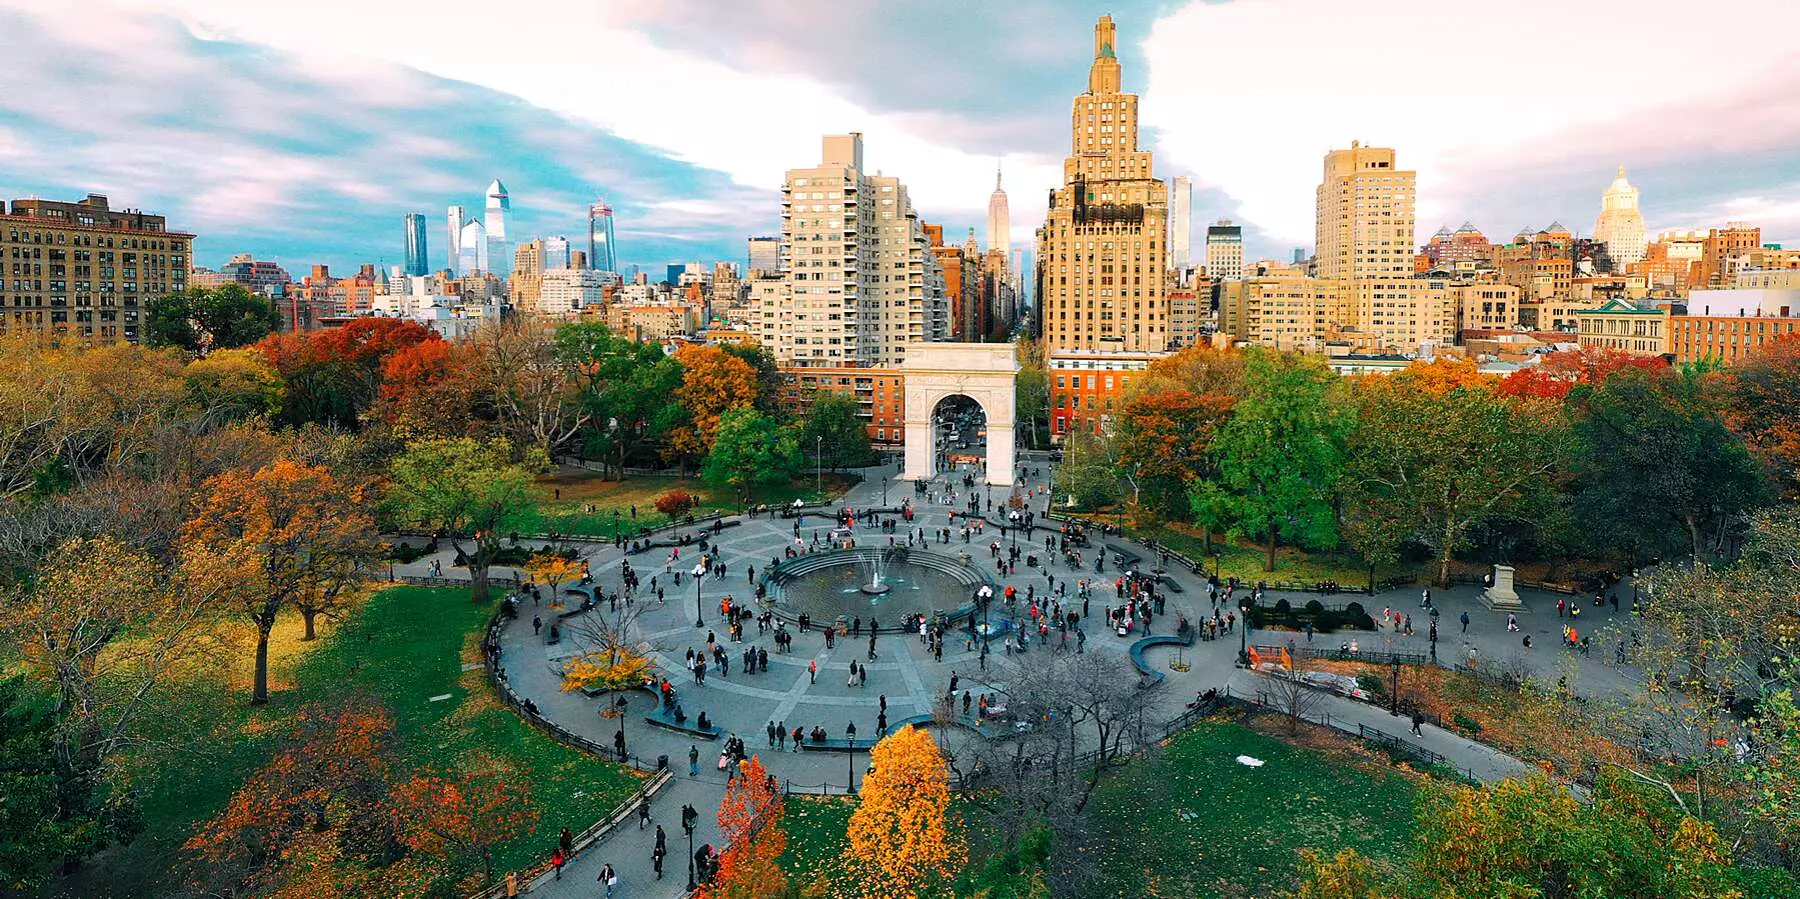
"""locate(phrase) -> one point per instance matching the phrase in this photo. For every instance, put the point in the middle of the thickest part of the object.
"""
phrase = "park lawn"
(566, 495)
(1244, 560)
(404, 646)
(1198, 823)
(816, 835)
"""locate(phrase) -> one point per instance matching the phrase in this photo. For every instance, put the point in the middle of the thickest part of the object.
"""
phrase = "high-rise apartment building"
(863, 282)
(255, 275)
(1621, 224)
(1365, 215)
(458, 216)
(999, 220)
(1224, 251)
(764, 256)
(85, 270)
(1181, 205)
(417, 259)
(499, 208)
(1103, 248)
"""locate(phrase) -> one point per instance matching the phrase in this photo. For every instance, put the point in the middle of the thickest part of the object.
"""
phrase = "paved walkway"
(909, 678)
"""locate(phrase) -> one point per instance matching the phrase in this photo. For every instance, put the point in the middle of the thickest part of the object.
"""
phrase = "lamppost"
(852, 754)
(699, 617)
(617, 532)
(618, 704)
(884, 485)
(1394, 692)
(818, 463)
(688, 816)
(1244, 631)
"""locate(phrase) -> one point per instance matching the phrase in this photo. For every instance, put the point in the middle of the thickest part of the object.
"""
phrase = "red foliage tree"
(1562, 370)
(429, 388)
(463, 816)
(1763, 406)
(750, 822)
(333, 376)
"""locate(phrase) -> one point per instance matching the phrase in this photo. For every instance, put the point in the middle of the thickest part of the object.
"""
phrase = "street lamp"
(617, 533)
(884, 485)
(1244, 631)
(688, 816)
(1394, 692)
(818, 463)
(852, 789)
(699, 617)
(619, 707)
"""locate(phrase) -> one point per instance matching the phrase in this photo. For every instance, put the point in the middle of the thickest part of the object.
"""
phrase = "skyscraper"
(600, 237)
(472, 249)
(1104, 244)
(499, 205)
(999, 223)
(1181, 202)
(1364, 225)
(1224, 251)
(456, 217)
(417, 260)
(555, 253)
(1621, 225)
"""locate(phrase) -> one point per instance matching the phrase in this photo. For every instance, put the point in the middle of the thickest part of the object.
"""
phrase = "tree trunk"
(309, 616)
(259, 691)
(478, 581)
(1443, 578)
(1269, 561)
(1693, 526)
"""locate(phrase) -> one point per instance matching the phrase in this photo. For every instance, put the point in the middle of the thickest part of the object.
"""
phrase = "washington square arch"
(981, 372)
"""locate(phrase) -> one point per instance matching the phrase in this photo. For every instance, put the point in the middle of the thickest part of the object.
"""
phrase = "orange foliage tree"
(289, 535)
(1560, 371)
(428, 389)
(1164, 439)
(462, 816)
(552, 570)
(1763, 407)
(713, 382)
(750, 822)
(333, 375)
(901, 841)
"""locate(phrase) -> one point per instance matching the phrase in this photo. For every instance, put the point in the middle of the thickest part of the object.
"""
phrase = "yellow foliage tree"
(900, 840)
(553, 571)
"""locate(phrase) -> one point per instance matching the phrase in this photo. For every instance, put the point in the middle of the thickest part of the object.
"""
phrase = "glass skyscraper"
(416, 259)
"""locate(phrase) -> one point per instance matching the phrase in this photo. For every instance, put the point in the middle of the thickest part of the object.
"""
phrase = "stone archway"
(983, 372)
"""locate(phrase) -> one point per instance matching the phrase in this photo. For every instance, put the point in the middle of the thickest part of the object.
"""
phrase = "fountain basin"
(885, 585)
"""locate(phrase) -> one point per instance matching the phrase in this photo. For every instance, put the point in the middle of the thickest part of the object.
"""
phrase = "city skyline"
(305, 155)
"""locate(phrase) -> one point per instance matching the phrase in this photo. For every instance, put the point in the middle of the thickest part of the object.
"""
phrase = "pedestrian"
(609, 878)
(862, 675)
(643, 813)
(1418, 718)
(566, 840)
(537, 624)
(693, 760)
(619, 743)
(657, 854)
(557, 859)
(771, 730)
(781, 736)
(881, 724)
(1465, 622)
(852, 681)
(812, 671)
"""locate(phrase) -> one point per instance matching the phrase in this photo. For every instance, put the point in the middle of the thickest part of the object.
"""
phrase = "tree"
(832, 426)
(1031, 392)
(431, 389)
(283, 536)
(749, 448)
(1760, 408)
(333, 376)
(57, 810)
(462, 488)
(1196, 369)
(204, 319)
(1438, 459)
(1279, 455)
(234, 385)
(1087, 476)
(1561, 371)
(625, 387)
(1655, 461)
(461, 816)
(713, 382)
(1166, 438)
(750, 823)
(552, 569)
(531, 385)
(901, 841)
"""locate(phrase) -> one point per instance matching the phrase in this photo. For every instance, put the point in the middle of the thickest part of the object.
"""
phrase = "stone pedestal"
(1501, 596)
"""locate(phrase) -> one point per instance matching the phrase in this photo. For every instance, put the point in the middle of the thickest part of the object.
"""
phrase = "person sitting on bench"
(703, 724)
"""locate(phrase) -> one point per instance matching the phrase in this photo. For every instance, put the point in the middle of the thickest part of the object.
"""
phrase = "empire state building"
(1102, 250)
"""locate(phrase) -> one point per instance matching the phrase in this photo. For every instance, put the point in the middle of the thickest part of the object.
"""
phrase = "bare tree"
(1286, 693)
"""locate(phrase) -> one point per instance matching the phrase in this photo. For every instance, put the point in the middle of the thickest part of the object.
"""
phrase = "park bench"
(661, 718)
(1143, 666)
(837, 745)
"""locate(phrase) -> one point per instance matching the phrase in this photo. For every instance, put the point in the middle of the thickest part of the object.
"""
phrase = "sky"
(305, 132)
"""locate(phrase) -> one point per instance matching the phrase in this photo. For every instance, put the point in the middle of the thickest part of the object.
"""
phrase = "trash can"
(662, 763)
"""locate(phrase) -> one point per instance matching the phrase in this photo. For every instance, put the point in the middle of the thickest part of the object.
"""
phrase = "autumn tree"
(1433, 457)
(465, 490)
(750, 824)
(234, 385)
(460, 817)
(99, 624)
(1279, 455)
(1165, 438)
(1656, 463)
(713, 382)
(282, 537)
(530, 384)
(1561, 371)
(431, 389)
(202, 319)
(1196, 369)
(901, 839)
(1031, 392)
(333, 376)
(748, 449)
(1761, 408)
(553, 569)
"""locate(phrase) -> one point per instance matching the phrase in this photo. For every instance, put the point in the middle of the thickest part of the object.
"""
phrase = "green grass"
(1197, 823)
(816, 828)
(405, 645)
(568, 513)
(1245, 560)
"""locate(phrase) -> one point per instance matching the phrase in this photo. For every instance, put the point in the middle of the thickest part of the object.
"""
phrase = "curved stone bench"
(1153, 676)
(663, 720)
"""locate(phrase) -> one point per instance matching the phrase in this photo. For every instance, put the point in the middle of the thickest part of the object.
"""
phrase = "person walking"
(609, 878)
(1418, 719)
(659, 852)
(771, 730)
(781, 736)
(1465, 622)
(619, 743)
(557, 860)
(693, 760)
(812, 671)
(643, 813)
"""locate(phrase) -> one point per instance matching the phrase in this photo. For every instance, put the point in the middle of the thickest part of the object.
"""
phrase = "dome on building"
(1468, 228)
(1524, 235)
(1443, 232)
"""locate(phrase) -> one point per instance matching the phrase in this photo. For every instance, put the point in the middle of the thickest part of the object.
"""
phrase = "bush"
(1356, 610)
(1372, 684)
(405, 552)
(1315, 608)
(1361, 622)
(1465, 724)
(1283, 607)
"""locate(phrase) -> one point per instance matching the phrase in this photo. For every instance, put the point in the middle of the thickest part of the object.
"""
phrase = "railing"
(1371, 656)
(1404, 747)
(1361, 732)
(416, 580)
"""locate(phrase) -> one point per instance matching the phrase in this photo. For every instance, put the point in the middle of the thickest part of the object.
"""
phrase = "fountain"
(894, 583)
(877, 568)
